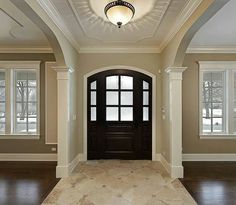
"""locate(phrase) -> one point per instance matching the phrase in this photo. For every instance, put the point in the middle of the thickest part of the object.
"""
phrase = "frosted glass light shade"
(119, 12)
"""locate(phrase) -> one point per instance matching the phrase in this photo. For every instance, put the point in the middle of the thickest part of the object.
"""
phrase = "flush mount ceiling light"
(119, 12)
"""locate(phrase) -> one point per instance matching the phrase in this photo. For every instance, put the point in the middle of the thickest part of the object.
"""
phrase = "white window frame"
(229, 68)
(10, 67)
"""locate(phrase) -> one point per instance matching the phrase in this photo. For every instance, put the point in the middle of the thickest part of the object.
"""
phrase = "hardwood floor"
(26, 183)
(211, 183)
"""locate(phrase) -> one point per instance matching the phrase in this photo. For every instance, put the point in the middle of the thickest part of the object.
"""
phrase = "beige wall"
(90, 62)
(30, 146)
(191, 141)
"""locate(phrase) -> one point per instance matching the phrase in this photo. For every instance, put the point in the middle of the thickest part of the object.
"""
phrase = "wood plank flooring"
(26, 183)
(211, 183)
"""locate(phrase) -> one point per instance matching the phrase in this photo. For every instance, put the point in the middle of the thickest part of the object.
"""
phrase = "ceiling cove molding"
(213, 49)
(187, 11)
(119, 50)
(53, 14)
(26, 50)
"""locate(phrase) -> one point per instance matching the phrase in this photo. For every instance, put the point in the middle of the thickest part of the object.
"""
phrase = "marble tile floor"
(117, 182)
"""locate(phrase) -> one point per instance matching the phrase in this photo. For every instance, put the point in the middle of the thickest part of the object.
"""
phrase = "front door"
(119, 115)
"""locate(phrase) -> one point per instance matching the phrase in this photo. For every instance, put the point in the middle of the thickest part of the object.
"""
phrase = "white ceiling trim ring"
(58, 20)
(91, 23)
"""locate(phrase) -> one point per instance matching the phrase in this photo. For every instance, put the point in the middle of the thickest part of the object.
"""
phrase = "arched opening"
(119, 121)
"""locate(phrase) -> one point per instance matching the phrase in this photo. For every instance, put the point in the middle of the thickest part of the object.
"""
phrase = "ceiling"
(85, 25)
(17, 31)
(219, 33)
(155, 21)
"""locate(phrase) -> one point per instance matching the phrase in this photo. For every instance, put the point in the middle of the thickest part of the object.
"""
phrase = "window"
(146, 99)
(25, 101)
(19, 99)
(119, 98)
(93, 101)
(2, 102)
(217, 98)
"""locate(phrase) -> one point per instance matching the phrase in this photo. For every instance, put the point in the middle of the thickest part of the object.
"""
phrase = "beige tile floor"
(117, 182)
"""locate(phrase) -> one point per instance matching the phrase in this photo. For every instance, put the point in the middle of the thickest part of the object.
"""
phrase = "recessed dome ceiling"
(142, 7)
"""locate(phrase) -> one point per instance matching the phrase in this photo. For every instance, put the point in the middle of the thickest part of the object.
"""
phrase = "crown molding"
(213, 49)
(26, 50)
(187, 11)
(119, 50)
(53, 14)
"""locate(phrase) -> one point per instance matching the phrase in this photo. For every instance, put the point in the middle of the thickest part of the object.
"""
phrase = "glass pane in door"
(126, 82)
(112, 114)
(112, 82)
(126, 114)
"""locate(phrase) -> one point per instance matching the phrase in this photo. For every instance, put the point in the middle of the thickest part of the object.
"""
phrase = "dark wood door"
(119, 115)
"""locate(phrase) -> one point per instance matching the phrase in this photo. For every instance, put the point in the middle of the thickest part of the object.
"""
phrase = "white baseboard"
(156, 157)
(65, 171)
(27, 157)
(177, 171)
(209, 157)
(174, 171)
(165, 164)
(62, 171)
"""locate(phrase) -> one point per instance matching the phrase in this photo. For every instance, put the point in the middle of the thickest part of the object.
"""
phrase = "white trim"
(27, 157)
(218, 137)
(54, 15)
(165, 164)
(73, 164)
(26, 50)
(209, 157)
(188, 10)
(19, 137)
(62, 171)
(52, 64)
(20, 64)
(154, 104)
(212, 49)
(157, 158)
(227, 68)
(119, 50)
(216, 65)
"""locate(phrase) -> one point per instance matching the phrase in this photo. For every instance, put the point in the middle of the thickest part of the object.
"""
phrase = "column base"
(177, 172)
(62, 171)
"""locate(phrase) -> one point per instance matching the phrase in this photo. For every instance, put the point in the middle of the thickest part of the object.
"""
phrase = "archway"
(85, 106)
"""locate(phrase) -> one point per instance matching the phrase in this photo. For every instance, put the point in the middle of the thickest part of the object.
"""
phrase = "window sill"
(218, 136)
(19, 137)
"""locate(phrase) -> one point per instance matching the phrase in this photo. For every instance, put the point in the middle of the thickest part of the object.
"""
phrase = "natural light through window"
(19, 98)
(217, 95)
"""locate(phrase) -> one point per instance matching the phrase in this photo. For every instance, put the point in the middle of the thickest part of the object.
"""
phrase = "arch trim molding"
(154, 104)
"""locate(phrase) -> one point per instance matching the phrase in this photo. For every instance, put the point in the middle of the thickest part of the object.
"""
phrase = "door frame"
(85, 107)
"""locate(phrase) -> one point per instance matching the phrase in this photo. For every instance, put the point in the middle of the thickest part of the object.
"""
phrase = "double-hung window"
(19, 99)
(217, 94)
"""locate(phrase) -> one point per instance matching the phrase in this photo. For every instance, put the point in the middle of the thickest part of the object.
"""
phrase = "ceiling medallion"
(119, 12)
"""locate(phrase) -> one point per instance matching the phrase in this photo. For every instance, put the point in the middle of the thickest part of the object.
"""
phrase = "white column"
(175, 109)
(62, 169)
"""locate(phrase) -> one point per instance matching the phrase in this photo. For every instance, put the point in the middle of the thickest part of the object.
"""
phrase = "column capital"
(175, 73)
(175, 69)
(63, 72)
(63, 69)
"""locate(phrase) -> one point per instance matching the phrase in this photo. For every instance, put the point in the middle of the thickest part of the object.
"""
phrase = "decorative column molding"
(175, 110)
(62, 169)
